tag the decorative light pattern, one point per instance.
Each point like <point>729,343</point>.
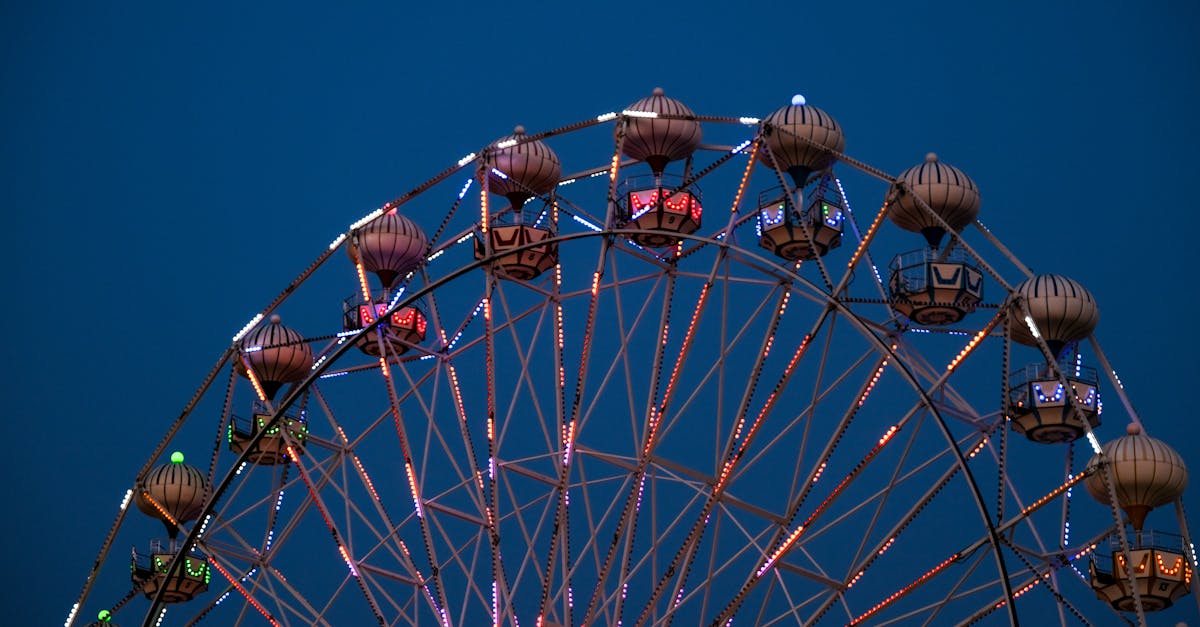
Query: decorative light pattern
<point>1162,568</point>
<point>467,159</point>
<point>337,241</point>
<point>643,201</point>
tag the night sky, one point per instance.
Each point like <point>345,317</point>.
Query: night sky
<point>169,169</point>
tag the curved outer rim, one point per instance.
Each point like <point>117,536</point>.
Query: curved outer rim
<point>895,360</point>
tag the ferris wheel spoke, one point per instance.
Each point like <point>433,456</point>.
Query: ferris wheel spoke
<point>392,540</point>
<point>687,550</point>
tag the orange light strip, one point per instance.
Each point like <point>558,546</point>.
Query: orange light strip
<point>324,514</point>
<point>768,404</point>
<point>737,198</point>
<point>233,582</point>
<point>161,510</point>
<point>737,433</point>
<point>362,281</point>
<point>412,485</point>
<point>483,207</point>
<point>984,332</point>
<point>1066,485</point>
<point>978,447</point>
<point>862,246</point>
<point>795,535</point>
<point>688,336</point>
<point>258,389</point>
<point>568,442</point>
<point>905,590</point>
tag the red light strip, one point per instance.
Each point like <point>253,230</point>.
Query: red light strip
<point>769,404</point>
<point>905,590</point>
<point>233,582</point>
<point>324,514</point>
<point>688,336</point>
<point>795,535</point>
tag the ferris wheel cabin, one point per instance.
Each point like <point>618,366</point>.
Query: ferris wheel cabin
<point>935,288</point>
<point>272,448</point>
<point>661,208</point>
<point>403,329</point>
<point>800,235</point>
<point>1043,409</point>
<point>151,571</point>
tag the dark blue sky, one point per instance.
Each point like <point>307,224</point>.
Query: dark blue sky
<point>169,169</point>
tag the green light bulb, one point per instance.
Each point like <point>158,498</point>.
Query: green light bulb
<point>104,615</point>
<point>176,457</point>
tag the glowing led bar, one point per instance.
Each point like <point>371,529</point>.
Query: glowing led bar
<point>499,173</point>
<point>737,198</point>
<point>349,562</point>
<point>463,192</point>
<point>1091,438</point>
<point>362,281</point>
<point>262,395</point>
<point>874,379</point>
<point>604,117</point>
<point>1071,480</point>
<point>71,615</point>
<point>862,246</point>
<point>748,121</point>
<point>249,325</point>
<point>467,159</point>
<point>160,508</point>
<point>974,342</point>
<point>412,485</point>
<point>639,114</point>
<point>740,147</point>
<point>337,242</point>
<point>905,590</point>
<point>233,582</point>
<point>586,223</point>
<point>483,210</point>
<point>1032,327</point>
<point>367,218</point>
<point>508,143</point>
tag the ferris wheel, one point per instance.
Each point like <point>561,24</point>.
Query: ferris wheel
<point>658,368</point>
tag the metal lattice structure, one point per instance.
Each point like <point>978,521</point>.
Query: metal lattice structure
<point>595,398</point>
